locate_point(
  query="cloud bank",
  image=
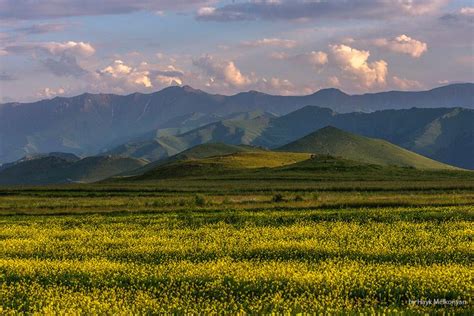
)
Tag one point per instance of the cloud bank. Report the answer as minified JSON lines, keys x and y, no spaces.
{"x":318,"y":9}
{"x":403,"y":44}
{"x":32,"y":9}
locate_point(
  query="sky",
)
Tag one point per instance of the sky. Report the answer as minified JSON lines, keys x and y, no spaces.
{"x":52,"y":48}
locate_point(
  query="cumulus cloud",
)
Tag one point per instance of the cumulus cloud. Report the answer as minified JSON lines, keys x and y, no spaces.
{"x":50,"y":92}
{"x":25,"y":9}
{"x":406,"y":84}
{"x":223,"y":76}
{"x":66,"y":65}
{"x":403,"y":44}
{"x":324,"y":9}
{"x":168,"y":76}
{"x":355,"y":64}
{"x":225,"y":72}
{"x":275,"y":42}
{"x":125,"y":75}
{"x":281,"y":86}
{"x":80,"y":49}
{"x":59,"y":58}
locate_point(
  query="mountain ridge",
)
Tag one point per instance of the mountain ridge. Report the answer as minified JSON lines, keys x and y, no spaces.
{"x":190,"y":89}
{"x":443,"y":134}
{"x":86,"y":124}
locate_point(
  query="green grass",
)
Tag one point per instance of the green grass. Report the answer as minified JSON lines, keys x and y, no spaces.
{"x":197,"y":152}
{"x":335,"y":142}
{"x":228,"y":162}
{"x":238,"y":162}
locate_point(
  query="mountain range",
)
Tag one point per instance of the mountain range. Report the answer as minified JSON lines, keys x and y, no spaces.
{"x":443,"y":134}
{"x":91,"y":124}
{"x":219,"y":159}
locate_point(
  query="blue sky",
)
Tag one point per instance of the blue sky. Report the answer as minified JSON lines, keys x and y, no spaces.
{"x":54,"y":48}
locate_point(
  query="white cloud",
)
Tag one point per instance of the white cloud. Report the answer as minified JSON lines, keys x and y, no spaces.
{"x":315,"y":58}
{"x":469,"y":11}
{"x":80,"y":49}
{"x":125,"y":75}
{"x":168,"y":76}
{"x":223,"y":76}
{"x":225,"y":72}
{"x":59,"y":58}
{"x":406,"y":84}
{"x":75,"y":48}
{"x":355,"y":63}
{"x":277,"y":86}
{"x":281,"y":86}
{"x":206,"y":11}
{"x":403,"y":44}
{"x":276,"y":42}
{"x":50,"y":92}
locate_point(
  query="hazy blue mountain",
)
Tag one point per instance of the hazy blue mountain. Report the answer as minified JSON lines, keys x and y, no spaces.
{"x":230,"y":132}
{"x":88,"y":123}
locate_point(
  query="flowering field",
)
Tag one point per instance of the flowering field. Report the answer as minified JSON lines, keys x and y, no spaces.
{"x":225,"y":259}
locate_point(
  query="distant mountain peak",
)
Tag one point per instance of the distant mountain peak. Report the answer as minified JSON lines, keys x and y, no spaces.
{"x":180,"y":89}
{"x":191,"y":89}
{"x":331,"y":92}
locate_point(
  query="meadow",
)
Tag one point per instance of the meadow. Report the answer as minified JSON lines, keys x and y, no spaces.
{"x":274,"y":244}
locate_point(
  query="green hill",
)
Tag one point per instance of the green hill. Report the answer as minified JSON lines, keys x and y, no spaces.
{"x":223,"y":164}
{"x":336,"y":142}
{"x":197,"y":152}
{"x":56,"y":169}
{"x":92,"y":169}
{"x":212,"y":149}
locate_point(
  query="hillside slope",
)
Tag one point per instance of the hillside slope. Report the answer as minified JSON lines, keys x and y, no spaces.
{"x":335,"y":142}
{"x":198,"y":152}
{"x":231,"y":132}
{"x":55,"y":170}
{"x":222,"y":165}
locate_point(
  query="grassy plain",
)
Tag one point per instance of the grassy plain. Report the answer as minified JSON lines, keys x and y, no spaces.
{"x":289,"y":240}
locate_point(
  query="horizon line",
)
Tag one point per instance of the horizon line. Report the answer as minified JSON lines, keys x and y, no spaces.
{"x":241,"y":92}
